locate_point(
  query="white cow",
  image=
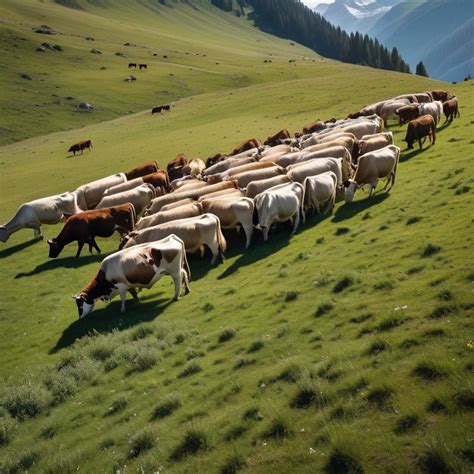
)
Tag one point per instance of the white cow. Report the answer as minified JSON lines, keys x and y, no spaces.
{"x":140,"y":197}
{"x":89,"y":194}
{"x":435,"y":109}
{"x":319,"y":190}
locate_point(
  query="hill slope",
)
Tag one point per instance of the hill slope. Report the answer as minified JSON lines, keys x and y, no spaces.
{"x":345,"y":348}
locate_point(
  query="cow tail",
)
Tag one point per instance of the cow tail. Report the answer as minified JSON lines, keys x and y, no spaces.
{"x":134,"y":215}
{"x":394,"y":172}
{"x":220,"y":237}
{"x":433,"y":130}
{"x":303,"y":215}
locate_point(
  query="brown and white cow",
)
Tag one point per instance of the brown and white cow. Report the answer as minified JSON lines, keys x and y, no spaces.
{"x":276,"y":139}
{"x":373,"y":166}
{"x":142,"y":170}
{"x":85,"y":226}
{"x":420,"y":128}
{"x":137,"y":267}
{"x":194,"y":168}
{"x":175,"y":167}
{"x":374,"y":142}
{"x":279,"y":204}
{"x":195,"y":232}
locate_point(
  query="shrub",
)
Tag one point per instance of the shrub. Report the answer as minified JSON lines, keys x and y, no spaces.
{"x":226,"y":335}
{"x":413,"y":220}
{"x":171,"y":403}
{"x":179,"y":338}
{"x":233,"y":464}
{"x":192,"y":368}
{"x":141,"y":441}
{"x":342,"y":231}
{"x":384,"y":285}
{"x":389,"y":323}
{"x":195,"y":440}
{"x":428,"y":370}
{"x":61,"y":386}
{"x":82,"y":369}
{"x":7,"y":427}
{"x":101,"y":348}
{"x":235,"y":432}
{"x":207,"y":307}
{"x":445,"y":295}
{"x":256,"y":345}
{"x":342,"y":284}
{"x":291,"y":296}
{"x":244,"y":362}
{"x":342,"y":460}
{"x":464,"y":399}
{"x":252,"y":413}
{"x":323,"y":308}
{"x":119,"y":404}
{"x":48,"y":431}
{"x":377,"y":347}
{"x":405,"y":424}
{"x":139,"y":356}
{"x":434,"y":460}
{"x":141,"y":332}
{"x":192,"y":353}
{"x":379,"y":396}
{"x":278,"y":429}
{"x":361,"y":318}
{"x":25,"y":401}
{"x":430,"y":250}
{"x":107,"y":443}
{"x":442,"y":311}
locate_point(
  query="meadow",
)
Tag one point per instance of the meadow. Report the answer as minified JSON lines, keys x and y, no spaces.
{"x":347,"y":348}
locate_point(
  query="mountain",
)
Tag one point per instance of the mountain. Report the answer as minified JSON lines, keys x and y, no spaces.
{"x":356,"y":15}
{"x":438,"y":32}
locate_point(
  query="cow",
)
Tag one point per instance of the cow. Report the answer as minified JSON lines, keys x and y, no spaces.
{"x":232,"y":212}
{"x":313,"y":127}
{"x":283,"y":160}
{"x":300,"y":171}
{"x":161,"y":201}
{"x":31,"y":215}
{"x":138,"y":267}
{"x":175,"y":166}
{"x":167,"y":107}
{"x":276,"y":139}
{"x":223,"y":193}
{"x":81,"y":146}
{"x":194,"y":231}
{"x":246,"y":146}
{"x":142,"y":66}
{"x":156,"y":110}
{"x":389,"y":109}
{"x":89,"y":194}
{"x":130,"y":65}
{"x":174,"y":205}
{"x":158,"y":180}
{"x":142,"y":170}
{"x":319,"y":190}
{"x":351,"y":143}
{"x":441,"y":95}
{"x":435,"y":109}
{"x":140,"y":197}
{"x":212,"y":160}
{"x":194,"y":168}
{"x":371,"y":167}
{"x":256,"y":187}
{"x":419,"y":128}
{"x":407,"y":113}
{"x":243,"y":179}
{"x":230,"y":173}
{"x":451,"y":109}
{"x":422,"y":97}
{"x":190,"y":210}
{"x":275,"y":150}
{"x":279,"y":204}
{"x":85,"y":226}
{"x":224,"y":165}
{"x":374,"y":142}
{"x":184,"y":184}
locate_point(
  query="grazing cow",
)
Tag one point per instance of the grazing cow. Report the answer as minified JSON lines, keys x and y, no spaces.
{"x":142,"y":66}
{"x":190,"y":210}
{"x":224,"y":193}
{"x":319,"y":190}
{"x":246,"y":146}
{"x":140,"y":197}
{"x":441,"y":95}
{"x":422,"y":97}
{"x":224,"y":165}
{"x":407,"y":113}
{"x":314,"y":127}
{"x":243,"y":179}
{"x":300,"y":171}
{"x":174,"y":205}
{"x":276,"y":139}
{"x":389,"y":109}
{"x":230,"y":173}
{"x":212,"y":160}
{"x":410,"y":97}
{"x":158,"y":180}
{"x":161,"y":201}
{"x":194,"y":168}
{"x":167,"y":107}
{"x":451,"y":109}
{"x":186,"y":184}
{"x":194,"y":231}
{"x":138,"y":267}
{"x":371,"y":167}
{"x":275,"y":150}
{"x":284,"y":159}
{"x":435,"y":109}
{"x":89,"y":194}
{"x":279,"y":204}
{"x":48,"y":210}
{"x":157,"y":109}
{"x":351,"y":143}
{"x":175,"y":167}
{"x":232,"y":212}
{"x":134,"y":65}
{"x":86,"y":226}
{"x":81,"y":146}
{"x":374,"y":142}
{"x":419,"y":128}
{"x":142,"y":170}
{"x":256,"y":187}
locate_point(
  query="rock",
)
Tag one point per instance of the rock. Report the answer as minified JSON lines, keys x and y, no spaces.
{"x":130,"y":78}
{"x":40,"y":49}
{"x":85,"y":107}
{"x":96,"y":51}
{"x":44,"y":30}
{"x":122,"y":55}
{"x":25,"y":76}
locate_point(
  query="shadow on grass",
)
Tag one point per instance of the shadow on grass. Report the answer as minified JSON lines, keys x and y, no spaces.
{"x":107,"y":319}
{"x":66,"y":262}
{"x":19,"y":247}
{"x":347,"y":211}
{"x":407,"y":155}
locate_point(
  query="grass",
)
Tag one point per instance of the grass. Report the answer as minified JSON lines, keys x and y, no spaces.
{"x":45,"y":347}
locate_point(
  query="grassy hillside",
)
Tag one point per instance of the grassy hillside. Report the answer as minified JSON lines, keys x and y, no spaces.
{"x":206,"y":50}
{"x":345,"y":348}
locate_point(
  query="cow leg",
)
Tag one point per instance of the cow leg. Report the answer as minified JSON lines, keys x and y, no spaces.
{"x":265,"y":233}
{"x":93,"y":243}
{"x":296,"y":223}
{"x":185,"y":281}
{"x":79,"y":248}
{"x":133,"y":292}
{"x":177,"y":285}
{"x":123,"y":294}
{"x":372,"y":186}
{"x":37,"y":232}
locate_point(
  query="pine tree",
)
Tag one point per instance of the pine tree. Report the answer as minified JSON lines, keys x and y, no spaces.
{"x":421,"y":70}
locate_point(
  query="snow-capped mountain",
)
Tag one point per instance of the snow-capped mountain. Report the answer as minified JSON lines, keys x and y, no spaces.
{"x":355,"y":15}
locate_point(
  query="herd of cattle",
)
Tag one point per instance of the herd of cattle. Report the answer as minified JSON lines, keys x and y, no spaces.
{"x":163,"y":214}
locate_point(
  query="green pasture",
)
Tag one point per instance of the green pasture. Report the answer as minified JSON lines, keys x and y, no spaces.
{"x":347,"y":348}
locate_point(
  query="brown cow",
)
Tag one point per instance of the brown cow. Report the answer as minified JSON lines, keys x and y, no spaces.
{"x":81,"y":146}
{"x":87,"y":225}
{"x":407,"y":113}
{"x":247,"y":145}
{"x":313,"y":127}
{"x":275,"y":139}
{"x":142,"y":170}
{"x":156,"y":110}
{"x":441,"y":95}
{"x":159,"y":179}
{"x":176,"y":165}
{"x":451,"y":109}
{"x":212,"y":160}
{"x":419,"y":128}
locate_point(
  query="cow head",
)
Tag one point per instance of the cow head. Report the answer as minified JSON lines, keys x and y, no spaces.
{"x":85,"y":305}
{"x":350,"y":191}
{"x":54,"y":248}
{"x":4,"y":234}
